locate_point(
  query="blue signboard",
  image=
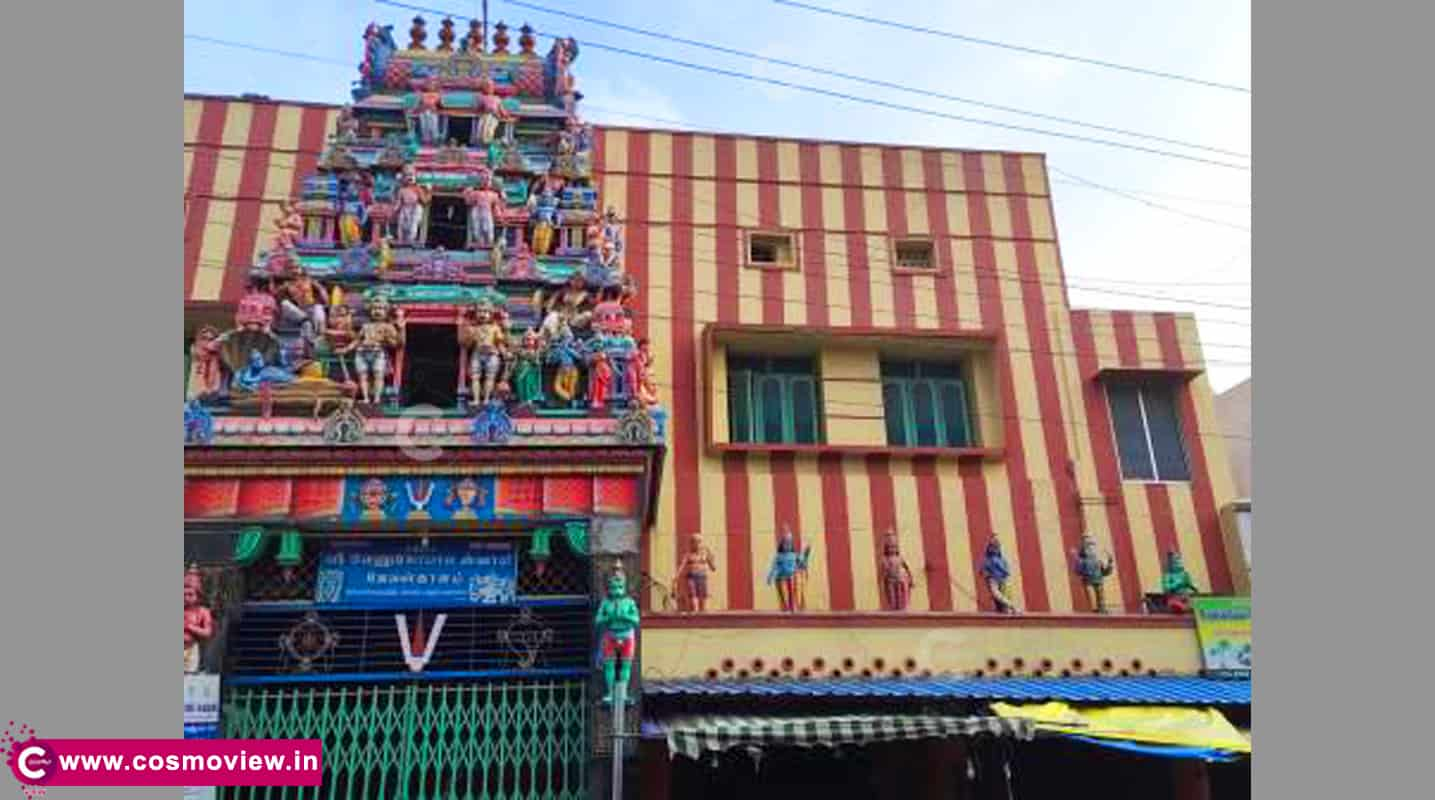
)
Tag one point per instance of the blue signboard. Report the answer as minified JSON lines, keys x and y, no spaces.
{"x":443,"y":574}
{"x":371,"y":499}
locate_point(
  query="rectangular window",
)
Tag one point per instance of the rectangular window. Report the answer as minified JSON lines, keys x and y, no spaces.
{"x":1148,"y":431}
{"x":771,"y":250}
{"x":914,"y":254}
{"x":925,"y":404}
{"x":773,"y":400}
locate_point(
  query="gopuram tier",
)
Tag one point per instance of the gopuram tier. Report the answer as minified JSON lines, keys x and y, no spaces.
{"x":451,"y":258}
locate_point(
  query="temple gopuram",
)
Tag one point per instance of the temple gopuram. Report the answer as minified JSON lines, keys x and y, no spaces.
{"x":780,"y":462}
{"x":429,"y":435}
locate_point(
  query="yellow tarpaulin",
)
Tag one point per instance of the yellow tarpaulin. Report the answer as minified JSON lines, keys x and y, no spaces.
{"x":1168,"y":725}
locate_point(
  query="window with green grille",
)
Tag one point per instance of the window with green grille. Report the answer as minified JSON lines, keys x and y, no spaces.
{"x":773,"y":400}
{"x":925,"y":404}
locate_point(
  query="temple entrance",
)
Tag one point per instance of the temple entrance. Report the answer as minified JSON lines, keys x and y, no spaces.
{"x":447,"y":223}
{"x":431,"y":366}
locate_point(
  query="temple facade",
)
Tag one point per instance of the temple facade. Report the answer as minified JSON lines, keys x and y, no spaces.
{"x":459,"y":366}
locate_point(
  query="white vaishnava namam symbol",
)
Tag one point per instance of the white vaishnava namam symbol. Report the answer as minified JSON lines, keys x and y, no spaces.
{"x":416,"y":663}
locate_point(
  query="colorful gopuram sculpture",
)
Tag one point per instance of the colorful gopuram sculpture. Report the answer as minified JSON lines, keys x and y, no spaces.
{"x":617,"y":625}
{"x":456,"y":189}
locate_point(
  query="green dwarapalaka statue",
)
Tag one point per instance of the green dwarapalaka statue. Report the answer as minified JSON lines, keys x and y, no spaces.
{"x":617,"y":622}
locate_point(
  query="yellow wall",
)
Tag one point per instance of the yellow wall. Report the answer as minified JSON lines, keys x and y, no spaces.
{"x":694,"y":652}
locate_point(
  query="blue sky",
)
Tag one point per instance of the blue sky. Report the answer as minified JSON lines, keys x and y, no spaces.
{"x":1108,"y":241}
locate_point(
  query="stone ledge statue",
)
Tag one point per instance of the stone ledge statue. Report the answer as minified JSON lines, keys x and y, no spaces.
{"x":896,"y":576}
{"x":696,"y":566}
{"x":996,"y":571}
{"x":788,"y":569}
{"x":1176,"y":585}
{"x":1093,"y":571}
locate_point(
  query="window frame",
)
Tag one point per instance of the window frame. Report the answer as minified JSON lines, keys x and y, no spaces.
{"x":1141,"y":387}
{"x":758,"y":413}
{"x":906,"y":387}
{"x":934,"y":266}
{"x":791,"y":239}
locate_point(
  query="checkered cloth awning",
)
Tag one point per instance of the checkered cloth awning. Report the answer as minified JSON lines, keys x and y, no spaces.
{"x":692,"y":735}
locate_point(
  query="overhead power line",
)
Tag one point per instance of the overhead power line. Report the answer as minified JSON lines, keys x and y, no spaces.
{"x":1151,"y":203}
{"x":1069,"y":284}
{"x":851,"y":77}
{"x":270,"y":50}
{"x":1016,"y":47}
{"x":872,"y":101}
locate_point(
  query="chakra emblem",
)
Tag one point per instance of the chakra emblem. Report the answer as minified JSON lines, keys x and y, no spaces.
{"x":526,"y":637}
{"x":308,"y":641}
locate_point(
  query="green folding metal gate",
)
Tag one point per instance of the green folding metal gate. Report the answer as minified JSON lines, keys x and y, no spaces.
{"x":423,"y":741}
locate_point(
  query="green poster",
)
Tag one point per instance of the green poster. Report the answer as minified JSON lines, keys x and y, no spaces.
{"x":1223,"y":628}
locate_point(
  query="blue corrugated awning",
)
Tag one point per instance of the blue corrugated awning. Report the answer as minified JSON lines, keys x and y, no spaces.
{"x":1158,"y":690}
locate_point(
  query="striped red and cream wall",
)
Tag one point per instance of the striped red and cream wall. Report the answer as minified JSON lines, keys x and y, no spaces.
{"x":688,"y":198}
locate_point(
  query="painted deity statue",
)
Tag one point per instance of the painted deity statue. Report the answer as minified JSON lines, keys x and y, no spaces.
{"x":497,"y":257}
{"x":528,"y":369}
{"x":617,"y":623}
{"x":572,"y":301}
{"x":378,"y":337}
{"x":412,"y":198}
{"x":645,"y":389}
{"x":1176,"y":584}
{"x":483,"y":336}
{"x":386,"y":256}
{"x":256,"y":373}
{"x":563,"y":350}
{"x":546,"y":218}
{"x":484,"y":205}
{"x":693,"y":573}
{"x":549,"y":181}
{"x":600,"y":380}
{"x":445,"y":36}
{"x":473,"y":42}
{"x":205,"y":375}
{"x":896,"y":576}
{"x":787,"y":570}
{"x":257,"y":309}
{"x":198,"y":620}
{"x":302,"y":299}
{"x":352,"y":215}
{"x":613,"y":229}
{"x":1093,"y":571}
{"x":288,"y":226}
{"x":348,"y":125}
{"x":996,"y":572}
{"x":490,"y":113}
{"x":429,"y":101}
{"x":340,"y":337}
